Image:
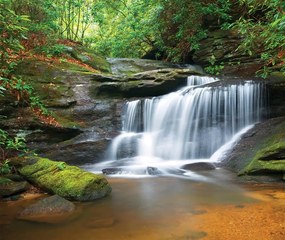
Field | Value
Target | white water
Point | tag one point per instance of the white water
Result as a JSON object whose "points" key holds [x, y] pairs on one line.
{"points": [[196, 123]]}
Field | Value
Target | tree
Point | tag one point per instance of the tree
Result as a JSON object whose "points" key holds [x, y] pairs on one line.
{"points": [[262, 25], [12, 31]]}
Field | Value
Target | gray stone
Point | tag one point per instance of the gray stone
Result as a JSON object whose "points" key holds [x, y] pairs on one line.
{"points": [[12, 188], [153, 171], [51, 210], [199, 166]]}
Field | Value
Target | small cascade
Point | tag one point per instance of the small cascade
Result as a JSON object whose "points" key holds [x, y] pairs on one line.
{"points": [[192, 123]]}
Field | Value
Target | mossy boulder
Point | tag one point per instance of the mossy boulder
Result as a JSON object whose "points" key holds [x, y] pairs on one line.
{"points": [[89, 57], [270, 159], [69, 182]]}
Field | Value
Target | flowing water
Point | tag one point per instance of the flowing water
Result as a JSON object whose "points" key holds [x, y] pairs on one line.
{"points": [[200, 122]]}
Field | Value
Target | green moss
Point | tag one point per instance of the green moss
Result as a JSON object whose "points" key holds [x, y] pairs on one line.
{"points": [[90, 58], [4, 180], [68, 121], [258, 164], [69, 182]]}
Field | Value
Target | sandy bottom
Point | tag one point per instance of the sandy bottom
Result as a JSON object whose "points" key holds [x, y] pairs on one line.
{"points": [[163, 209], [261, 220]]}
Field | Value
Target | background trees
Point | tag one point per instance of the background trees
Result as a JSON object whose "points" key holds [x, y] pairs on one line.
{"points": [[163, 29]]}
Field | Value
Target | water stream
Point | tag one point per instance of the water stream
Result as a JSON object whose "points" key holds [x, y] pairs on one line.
{"points": [[198, 123]]}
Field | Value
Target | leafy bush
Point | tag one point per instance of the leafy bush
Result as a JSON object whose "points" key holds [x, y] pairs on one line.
{"points": [[55, 50], [11, 146], [5, 167]]}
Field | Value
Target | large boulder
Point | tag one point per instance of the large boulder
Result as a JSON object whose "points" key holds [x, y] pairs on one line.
{"points": [[89, 57], [69, 182], [77, 152], [260, 151]]}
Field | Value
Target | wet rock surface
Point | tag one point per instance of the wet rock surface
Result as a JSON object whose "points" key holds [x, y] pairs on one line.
{"points": [[145, 84], [256, 152], [9, 187], [52, 209], [199, 166]]}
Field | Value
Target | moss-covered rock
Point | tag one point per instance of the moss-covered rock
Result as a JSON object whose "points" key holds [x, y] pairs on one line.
{"points": [[269, 159], [261, 151], [69, 182], [89, 57]]}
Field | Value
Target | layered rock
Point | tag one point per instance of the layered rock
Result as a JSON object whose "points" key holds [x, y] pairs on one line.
{"points": [[221, 47], [144, 84]]}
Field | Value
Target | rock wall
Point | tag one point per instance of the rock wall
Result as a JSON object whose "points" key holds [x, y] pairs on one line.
{"points": [[221, 48]]}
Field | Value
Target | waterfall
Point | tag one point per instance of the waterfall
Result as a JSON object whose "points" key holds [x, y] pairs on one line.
{"points": [[192, 123]]}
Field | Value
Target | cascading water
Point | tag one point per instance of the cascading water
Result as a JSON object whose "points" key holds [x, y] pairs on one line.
{"points": [[190, 124]]}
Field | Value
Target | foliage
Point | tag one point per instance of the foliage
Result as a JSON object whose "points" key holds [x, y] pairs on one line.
{"points": [[262, 25], [51, 50], [5, 167], [214, 69], [172, 28], [11, 146], [75, 18], [61, 166], [12, 30]]}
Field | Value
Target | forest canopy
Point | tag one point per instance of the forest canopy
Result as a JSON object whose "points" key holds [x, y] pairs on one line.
{"points": [[163, 29]]}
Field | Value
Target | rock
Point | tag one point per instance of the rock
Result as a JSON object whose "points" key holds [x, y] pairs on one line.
{"points": [[15, 177], [153, 171], [276, 88], [136, 171], [77, 152], [69, 182], [199, 166], [129, 66], [52, 209], [145, 84], [261, 152], [112, 171], [221, 47], [8, 187], [89, 57]]}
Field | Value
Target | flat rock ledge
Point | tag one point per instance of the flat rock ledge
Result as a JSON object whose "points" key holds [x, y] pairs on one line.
{"points": [[58, 178]]}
